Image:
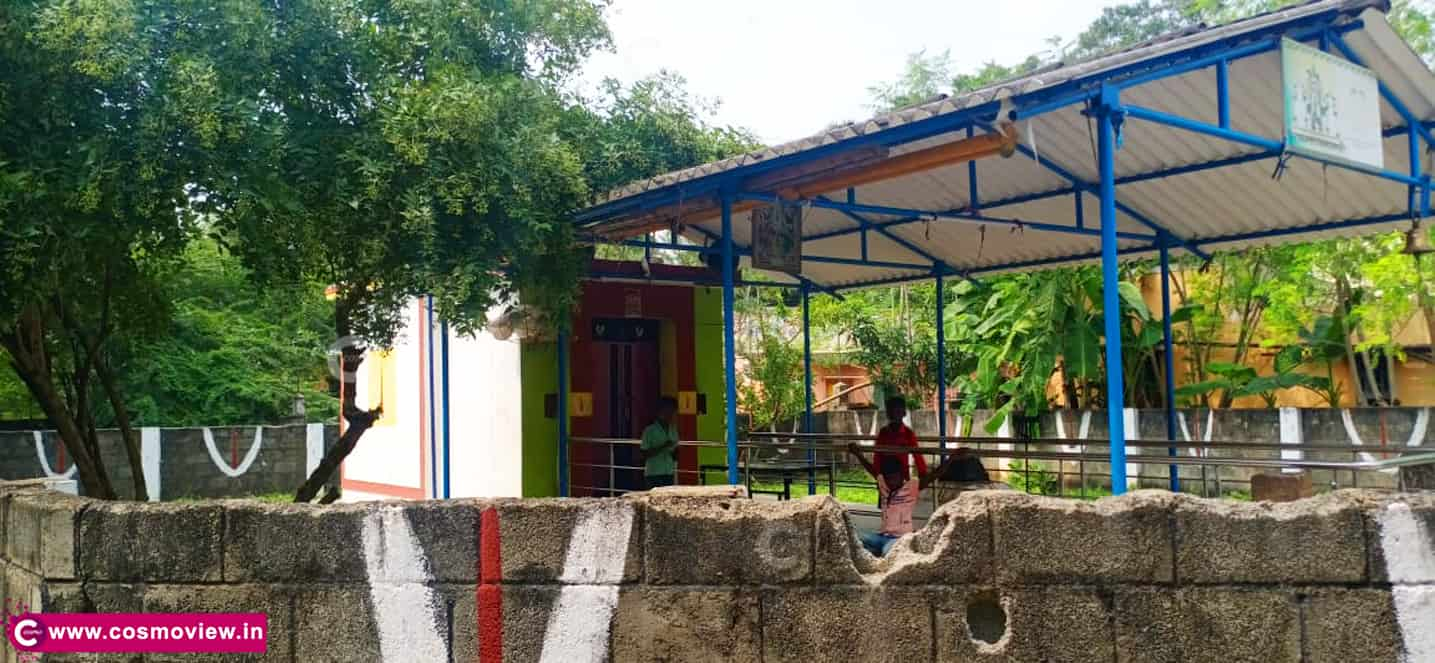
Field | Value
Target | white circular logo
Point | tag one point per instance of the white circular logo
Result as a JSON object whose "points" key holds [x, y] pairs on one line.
{"points": [[27, 632]]}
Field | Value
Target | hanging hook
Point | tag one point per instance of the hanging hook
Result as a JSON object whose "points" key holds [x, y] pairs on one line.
{"points": [[1282, 162]]}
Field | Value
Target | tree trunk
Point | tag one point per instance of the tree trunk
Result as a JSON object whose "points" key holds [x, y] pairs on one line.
{"points": [[25, 343], [1343, 295], [127, 431], [359, 421]]}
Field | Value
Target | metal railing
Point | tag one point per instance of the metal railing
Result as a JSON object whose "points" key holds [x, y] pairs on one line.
{"points": [[1055, 466]]}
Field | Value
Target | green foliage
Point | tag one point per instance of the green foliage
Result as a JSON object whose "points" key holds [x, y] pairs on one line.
{"points": [[773, 392], [1237, 381], [1126, 25], [113, 116], [650, 127], [16, 401], [233, 354], [925, 77], [427, 157], [894, 334], [1032, 477]]}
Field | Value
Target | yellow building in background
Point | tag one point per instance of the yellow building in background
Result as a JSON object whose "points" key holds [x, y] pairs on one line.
{"points": [[1411, 382]]}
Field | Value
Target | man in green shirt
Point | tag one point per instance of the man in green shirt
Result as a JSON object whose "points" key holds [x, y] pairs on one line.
{"points": [[660, 445]]}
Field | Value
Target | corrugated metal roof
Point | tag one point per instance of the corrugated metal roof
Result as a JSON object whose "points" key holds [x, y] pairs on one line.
{"points": [[1205, 206]]}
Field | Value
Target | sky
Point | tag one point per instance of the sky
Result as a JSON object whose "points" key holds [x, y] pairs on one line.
{"points": [[785, 69]]}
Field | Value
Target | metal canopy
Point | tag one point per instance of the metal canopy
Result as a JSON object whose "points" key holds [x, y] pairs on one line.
{"points": [[1206, 192], [1174, 145]]}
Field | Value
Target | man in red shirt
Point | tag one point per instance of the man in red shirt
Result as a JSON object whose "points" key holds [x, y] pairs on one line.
{"points": [[897, 434], [892, 470]]}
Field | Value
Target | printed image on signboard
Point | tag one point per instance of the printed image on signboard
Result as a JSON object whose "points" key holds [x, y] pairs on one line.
{"points": [[777, 238], [1332, 106]]}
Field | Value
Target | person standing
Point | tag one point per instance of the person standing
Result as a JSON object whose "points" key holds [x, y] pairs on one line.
{"points": [[892, 471], [660, 446]]}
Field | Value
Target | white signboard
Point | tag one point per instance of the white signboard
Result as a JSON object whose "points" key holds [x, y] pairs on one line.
{"points": [[1332, 106], [777, 238]]}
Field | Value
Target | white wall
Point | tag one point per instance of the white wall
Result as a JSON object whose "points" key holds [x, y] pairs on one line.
{"points": [[485, 430], [486, 434], [388, 453]]}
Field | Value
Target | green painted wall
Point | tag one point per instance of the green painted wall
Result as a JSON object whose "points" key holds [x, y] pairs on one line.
{"points": [[707, 319], [538, 366]]}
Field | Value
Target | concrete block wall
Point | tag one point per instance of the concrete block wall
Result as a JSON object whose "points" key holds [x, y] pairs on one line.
{"points": [[687, 575], [179, 463]]}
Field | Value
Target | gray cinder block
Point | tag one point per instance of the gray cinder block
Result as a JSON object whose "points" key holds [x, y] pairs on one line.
{"points": [[1311, 541]]}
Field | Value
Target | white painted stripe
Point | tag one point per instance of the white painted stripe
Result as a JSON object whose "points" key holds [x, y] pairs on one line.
{"points": [[1292, 435], [579, 624], [1354, 436], [1417, 433], [598, 548], [1410, 558], [223, 465], [404, 606], [580, 621], [1131, 422], [1080, 434], [149, 460], [313, 448], [45, 462], [1186, 432]]}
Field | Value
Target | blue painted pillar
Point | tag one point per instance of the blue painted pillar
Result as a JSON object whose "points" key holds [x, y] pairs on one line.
{"points": [[807, 388], [1166, 341], [1223, 94], [729, 352], [446, 438], [1417, 193], [1110, 287], [941, 358], [433, 409], [562, 413]]}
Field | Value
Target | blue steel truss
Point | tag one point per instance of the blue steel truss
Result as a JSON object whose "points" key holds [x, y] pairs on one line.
{"points": [[1100, 93]]}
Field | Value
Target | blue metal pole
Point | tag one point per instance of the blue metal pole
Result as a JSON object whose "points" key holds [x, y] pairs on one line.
{"points": [[562, 413], [1111, 300], [446, 428], [728, 350], [1166, 341], [1416, 207], [1179, 122], [1223, 94], [852, 200], [973, 195], [807, 388], [433, 409], [941, 362]]}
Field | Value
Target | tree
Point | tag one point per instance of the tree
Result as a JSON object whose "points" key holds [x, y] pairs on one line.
{"points": [[773, 392], [419, 150], [925, 77], [231, 354], [108, 123], [1122, 26], [648, 128]]}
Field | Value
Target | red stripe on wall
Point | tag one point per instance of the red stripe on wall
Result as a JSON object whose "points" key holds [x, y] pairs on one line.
{"points": [[490, 592]]}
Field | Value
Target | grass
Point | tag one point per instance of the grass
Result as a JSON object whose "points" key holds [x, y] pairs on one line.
{"points": [[846, 492], [273, 498]]}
